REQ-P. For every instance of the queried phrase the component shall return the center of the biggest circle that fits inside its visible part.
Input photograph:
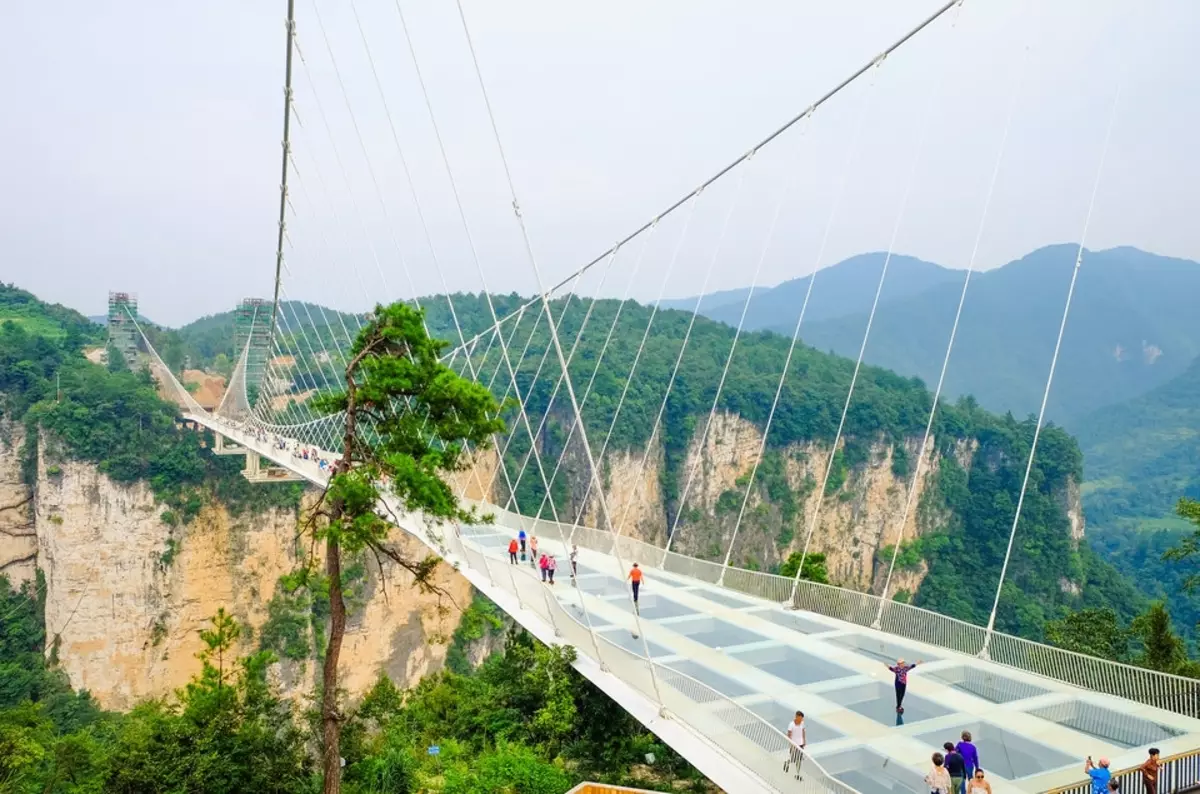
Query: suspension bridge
(715, 658)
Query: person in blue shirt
(521, 537)
(1099, 773)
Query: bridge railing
(1175, 773)
(1161, 690)
(716, 718)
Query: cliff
(18, 538)
(859, 514)
(127, 592)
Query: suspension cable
(1062, 327)
(687, 336)
(918, 152)
(887, 51)
(789, 184)
(834, 208)
(914, 486)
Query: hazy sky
(139, 141)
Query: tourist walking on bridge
(551, 567)
(635, 579)
(533, 552)
(512, 551)
(542, 562)
(978, 785)
(796, 742)
(901, 670)
(521, 537)
(938, 779)
(970, 754)
(574, 560)
(957, 768)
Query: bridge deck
(1032, 733)
(732, 669)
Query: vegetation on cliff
(524, 721)
(114, 418)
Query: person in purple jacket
(969, 753)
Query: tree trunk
(331, 725)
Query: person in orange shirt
(512, 551)
(635, 578)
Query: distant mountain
(711, 300)
(843, 289)
(1142, 455)
(1132, 327)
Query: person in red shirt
(512, 551)
(543, 562)
(635, 579)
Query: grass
(37, 326)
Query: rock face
(126, 593)
(859, 514)
(18, 539)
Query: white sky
(139, 141)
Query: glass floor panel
(872, 773)
(780, 714)
(986, 684)
(624, 638)
(789, 619)
(877, 701)
(656, 607)
(1105, 724)
(721, 683)
(792, 665)
(1003, 752)
(714, 632)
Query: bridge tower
(122, 332)
(252, 325)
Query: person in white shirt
(796, 741)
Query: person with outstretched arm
(901, 671)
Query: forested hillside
(1140, 457)
(976, 498)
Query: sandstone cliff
(859, 514)
(18, 539)
(126, 593)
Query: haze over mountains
(1132, 326)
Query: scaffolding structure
(252, 326)
(122, 331)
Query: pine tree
(406, 420)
